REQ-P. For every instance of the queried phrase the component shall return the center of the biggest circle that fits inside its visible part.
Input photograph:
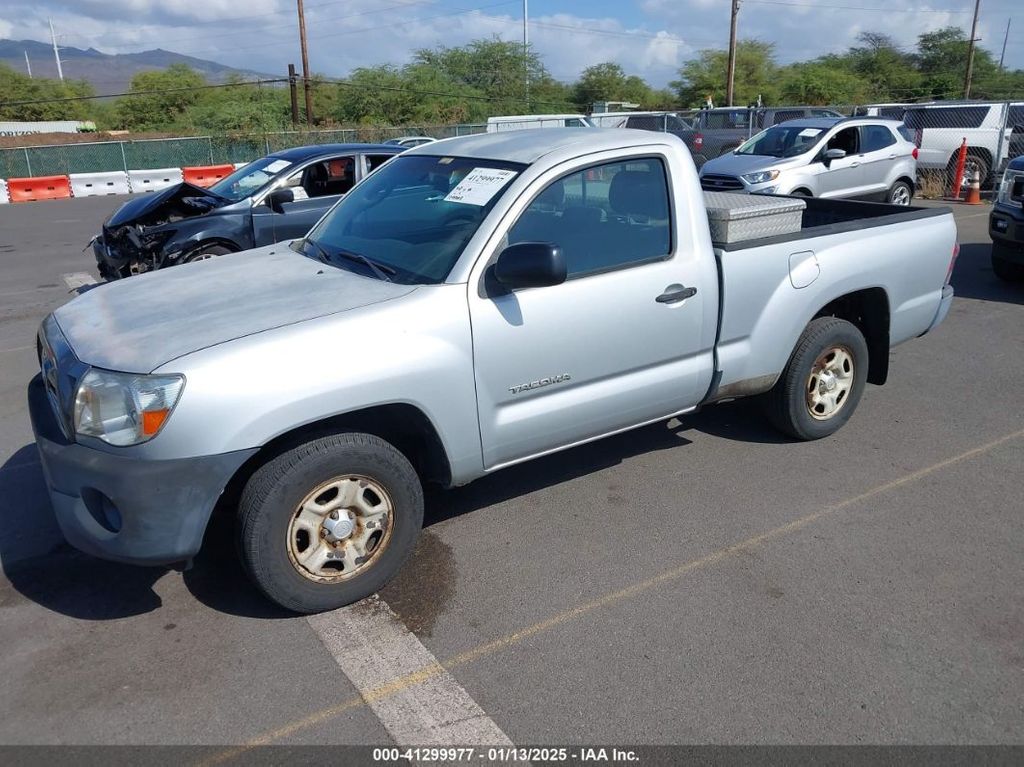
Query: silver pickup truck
(475, 303)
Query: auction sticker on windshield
(810, 132)
(479, 186)
(277, 165)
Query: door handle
(675, 293)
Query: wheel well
(802, 190)
(869, 310)
(909, 182)
(212, 241)
(402, 425)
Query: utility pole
(731, 74)
(1005, 38)
(970, 51)
(28, 65)
(294, 94)
(305, 66)
(56, 50)
(526, 48)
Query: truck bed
(824, 217)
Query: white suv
(859, 157)
(939, 129)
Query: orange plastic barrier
(205, 175)
(39, 188)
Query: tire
(789, 404)
(973, 161)
(204, 252)
(900, 193)
(800, 193)
(1005, 269)
(273, 522)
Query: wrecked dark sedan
(275, 198)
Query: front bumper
(124, 508)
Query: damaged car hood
(155, 206)
(136, 325)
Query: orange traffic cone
(974, 191)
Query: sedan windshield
(412, 218)
(782, 141)
(249, 178)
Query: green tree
(888, 73)
(705, 76)
(51, 99)
(163, 96)
(608, 82)
(942, 61)
(818, 83)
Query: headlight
(761, 176)
(1010, 177)
(124, 408)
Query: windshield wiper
(383, 272)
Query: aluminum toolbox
(738, 217)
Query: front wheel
(330, 521)
(822, 382)
(206, 252)
(1006, 269)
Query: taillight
(698, 141)
(952, 262)
(914, 153)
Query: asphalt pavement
(701, 581)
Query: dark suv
(1006, 224)
(719, 131)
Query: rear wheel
(900, 193)
(822, 382)
(330, 521)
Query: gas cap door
(803, 268)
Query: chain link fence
(143, 154)
(991, 132)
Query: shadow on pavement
(44, 569)
(973, 277)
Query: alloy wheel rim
(901, 196)
(830, 382)
(340, 529)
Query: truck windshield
(782, 141)
(413, 217)
(249, 178)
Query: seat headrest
(639, 192)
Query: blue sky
(650, 38)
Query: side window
(645, 122)
(605, 217)
(788, 114)
(329, 177)
(1016, 117)
(875, 137)
(573, 122)
(374, 161)
(846, 139)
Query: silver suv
(866, 158)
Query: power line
(813, 6)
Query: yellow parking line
(614, 597)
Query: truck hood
(138, 324)
(738, 164)
(172, 203)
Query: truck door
(316, 188)
(622, 342)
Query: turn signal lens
(152, 420)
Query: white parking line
(375, 650)
(78, 280)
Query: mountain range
(108, 73)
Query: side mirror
(278, 198)
(833, 154)
(530, 265)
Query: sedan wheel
(900, 194)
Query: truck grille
(716, 183)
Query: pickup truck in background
(475, 303)
(1006, 224)
(721, 130)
